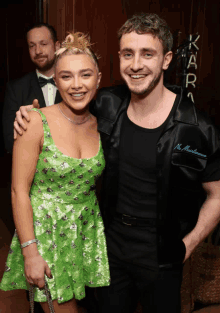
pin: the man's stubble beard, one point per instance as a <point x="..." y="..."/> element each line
<point x="149" y="89"/>
<point x="45" y="67"/>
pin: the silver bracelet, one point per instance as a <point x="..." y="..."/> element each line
<point x="25" y="244"/>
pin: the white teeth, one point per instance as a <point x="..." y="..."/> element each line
<point x="137" y="76"/>
<point x="78" y="94"/>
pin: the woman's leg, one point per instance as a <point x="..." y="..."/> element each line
<point x="66" y="307"/>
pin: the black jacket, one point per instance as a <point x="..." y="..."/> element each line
<point x="188" y="143"/>
<point x="20" y="92"/>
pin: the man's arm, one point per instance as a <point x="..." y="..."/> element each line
<point x="209" y="217"/>
<point x="22" y="114"/>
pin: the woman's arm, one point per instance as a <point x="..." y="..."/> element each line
<point x="26" y="151"/>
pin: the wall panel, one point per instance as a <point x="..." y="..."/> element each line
<point x="102" y="20"/>
<point x="61" y="16"/>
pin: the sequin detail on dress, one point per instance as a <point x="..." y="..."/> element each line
<point x="67" y="223"/>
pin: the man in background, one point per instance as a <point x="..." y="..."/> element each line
<point x="42" y="44"/>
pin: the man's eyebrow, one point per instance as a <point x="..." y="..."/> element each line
<point x="142" y="50"/>
<point x="34" y="43"/>
<point x="149" y="50"/>
<point x="127" y="50"/>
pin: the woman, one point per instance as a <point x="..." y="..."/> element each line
<point x="55" y="167"/>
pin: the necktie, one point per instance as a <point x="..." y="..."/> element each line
<point x="43" y="81"/>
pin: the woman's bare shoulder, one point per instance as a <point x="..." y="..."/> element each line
<point x="34" y="127"/>
<point x="50" y="109"/>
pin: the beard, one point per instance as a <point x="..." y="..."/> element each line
<point x="146" y="90"/>
<point x="45" y="66"/>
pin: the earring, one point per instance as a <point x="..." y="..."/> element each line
<point x="97" y="86"/>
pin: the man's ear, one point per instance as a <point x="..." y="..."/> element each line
<point x="57" y="45"/>
<point x="167" y="59"/>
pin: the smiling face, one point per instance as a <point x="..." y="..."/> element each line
<point x="142" y="62"/>
<point x="77" y="78"/>
<point x="41" y="48"/>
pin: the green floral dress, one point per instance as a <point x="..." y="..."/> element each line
<point x="67" y="223"/>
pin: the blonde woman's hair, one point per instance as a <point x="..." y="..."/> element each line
<point x="76" y="43"/>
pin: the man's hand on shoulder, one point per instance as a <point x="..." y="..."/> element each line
<point x="19" y="124"/>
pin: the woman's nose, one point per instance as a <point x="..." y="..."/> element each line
<point x="76" y="83"/>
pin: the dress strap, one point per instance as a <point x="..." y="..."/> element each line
<point x="47" y="133"/>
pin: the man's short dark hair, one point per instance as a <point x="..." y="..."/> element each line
<point x="49" y="27"/>
<point x="149" y="23"/>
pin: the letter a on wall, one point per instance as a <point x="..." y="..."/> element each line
<point x="192" y="61"/>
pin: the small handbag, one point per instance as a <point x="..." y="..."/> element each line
<point x="48" y="295"/>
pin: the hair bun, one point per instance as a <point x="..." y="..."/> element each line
<point x="76" y="43"/>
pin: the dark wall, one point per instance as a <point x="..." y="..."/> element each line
<point x="14" y="56"/>
<point x="15" y="16"/>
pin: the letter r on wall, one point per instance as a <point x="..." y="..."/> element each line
<point x="192" y="81"/>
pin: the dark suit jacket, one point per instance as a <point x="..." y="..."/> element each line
<point x="20" y="92"/>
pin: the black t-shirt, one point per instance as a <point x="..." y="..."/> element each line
<point x="137" y="168"/>
<point x="137" y="194"/>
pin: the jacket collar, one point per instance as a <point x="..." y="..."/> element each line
<point x="117" y="99"/>
<point x="37" y="89"/>
<point x="185" y="112"/>
<point x="112" y="105"/>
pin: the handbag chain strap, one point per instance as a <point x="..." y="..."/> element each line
<point x="48" y="295"/>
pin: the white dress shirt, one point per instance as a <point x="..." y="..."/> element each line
<point x="49" y="90"/>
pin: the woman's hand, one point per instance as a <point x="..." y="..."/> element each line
<point x="23" y="113"/>
<point x="35" y="269"/>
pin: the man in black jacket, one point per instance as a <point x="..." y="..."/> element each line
<point x="42" y="44"/>
<point x="162" y="155"/>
